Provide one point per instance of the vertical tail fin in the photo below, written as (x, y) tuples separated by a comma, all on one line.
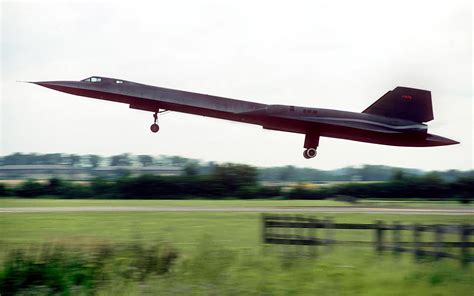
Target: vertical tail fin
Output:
[(404, 103)]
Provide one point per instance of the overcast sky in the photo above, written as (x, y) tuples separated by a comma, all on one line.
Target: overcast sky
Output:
[(329, 54)]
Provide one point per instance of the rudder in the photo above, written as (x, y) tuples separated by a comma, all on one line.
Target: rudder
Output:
[(404, 103)]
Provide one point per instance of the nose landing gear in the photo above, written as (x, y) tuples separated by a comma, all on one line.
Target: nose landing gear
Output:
[(155, 127)]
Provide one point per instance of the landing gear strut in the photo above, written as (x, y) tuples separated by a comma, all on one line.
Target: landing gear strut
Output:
[(155, 127), (311, 142)]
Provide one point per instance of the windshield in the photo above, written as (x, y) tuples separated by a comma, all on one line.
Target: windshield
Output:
[(92, 79)]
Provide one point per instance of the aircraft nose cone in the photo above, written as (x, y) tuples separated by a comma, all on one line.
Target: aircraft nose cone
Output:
[(63, 86), (42, 83), (48, 84)]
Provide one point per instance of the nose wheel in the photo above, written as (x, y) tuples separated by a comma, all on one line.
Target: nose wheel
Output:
[(155, 127)]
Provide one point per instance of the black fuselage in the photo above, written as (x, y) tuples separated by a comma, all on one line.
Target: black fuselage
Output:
[(364, 127)]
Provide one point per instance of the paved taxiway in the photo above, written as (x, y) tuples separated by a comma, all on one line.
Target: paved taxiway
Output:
[(274, 209)]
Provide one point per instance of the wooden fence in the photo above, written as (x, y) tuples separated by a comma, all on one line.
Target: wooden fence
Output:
[(310, 231)]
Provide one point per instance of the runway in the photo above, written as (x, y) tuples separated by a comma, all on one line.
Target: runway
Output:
[(250, 209)]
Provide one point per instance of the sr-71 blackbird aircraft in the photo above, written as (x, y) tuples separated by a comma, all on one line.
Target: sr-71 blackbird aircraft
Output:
[(396, 119)]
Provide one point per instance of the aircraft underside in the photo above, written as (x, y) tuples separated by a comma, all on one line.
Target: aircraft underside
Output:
[(313, 132)]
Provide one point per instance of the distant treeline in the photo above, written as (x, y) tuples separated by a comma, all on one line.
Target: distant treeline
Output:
[(429, 186), (91, 160), (193, 167), (227, 180), (240, 181)]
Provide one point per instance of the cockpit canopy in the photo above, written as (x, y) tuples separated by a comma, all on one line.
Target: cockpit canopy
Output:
[(96, 79), (92, 79)]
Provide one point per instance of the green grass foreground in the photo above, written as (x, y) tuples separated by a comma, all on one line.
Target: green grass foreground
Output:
[(221, 254), (214, 269)]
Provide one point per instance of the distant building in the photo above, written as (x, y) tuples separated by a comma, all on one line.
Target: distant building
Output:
[(112, 171), (81, 173)]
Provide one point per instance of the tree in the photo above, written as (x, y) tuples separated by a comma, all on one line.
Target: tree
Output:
[(235, 176), (398, 175), (52, 158), (54, 187), (464, 189), (287, 173), (15, 159), (4, 191), (191, 169), (94, 160), (175, 160), (74, 159), (121, 160), (145, 160)]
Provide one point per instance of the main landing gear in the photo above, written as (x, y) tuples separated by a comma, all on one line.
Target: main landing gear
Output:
[(311, 142), (155, 127)]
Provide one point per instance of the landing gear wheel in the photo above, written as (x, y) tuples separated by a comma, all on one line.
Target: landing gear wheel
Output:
[(311, 142), (154, 127), (310, 153), (305, 154)]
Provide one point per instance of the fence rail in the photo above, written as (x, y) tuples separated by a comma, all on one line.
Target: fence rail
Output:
[(302, 230)]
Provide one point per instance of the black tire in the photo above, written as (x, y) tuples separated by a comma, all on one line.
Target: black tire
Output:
[(311, 152), (305, 154), (154, 127)]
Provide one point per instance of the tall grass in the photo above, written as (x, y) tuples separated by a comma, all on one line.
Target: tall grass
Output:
[(53, 269), (213, 269)]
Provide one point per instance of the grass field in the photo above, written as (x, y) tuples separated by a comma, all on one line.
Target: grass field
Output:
[(221, 253)]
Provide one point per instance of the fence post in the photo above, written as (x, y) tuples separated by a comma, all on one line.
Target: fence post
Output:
[(304, 236), (464, 232), (264, 228), (314, 239), (293, 234), (416, 241), (300, 234), (309, 238), (329, 232), (264, 233), (438, 241), (396, 237), (379, 236)]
